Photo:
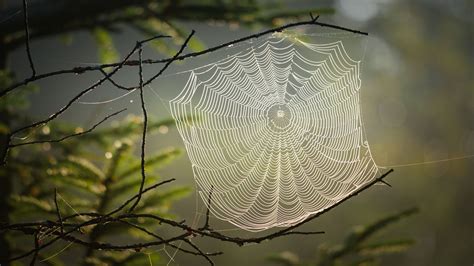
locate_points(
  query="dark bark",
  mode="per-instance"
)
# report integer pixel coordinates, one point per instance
(5, 180)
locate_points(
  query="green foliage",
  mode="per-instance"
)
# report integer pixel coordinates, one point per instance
(355, 250)
(164, 18)
(15, 101)
(92, 176)
(106, 49)
(249, 14)
(285, 258)
(97, 171)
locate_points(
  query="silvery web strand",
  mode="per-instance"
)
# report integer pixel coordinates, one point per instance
(275, 132)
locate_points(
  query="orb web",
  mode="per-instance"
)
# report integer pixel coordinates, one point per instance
(275, 131)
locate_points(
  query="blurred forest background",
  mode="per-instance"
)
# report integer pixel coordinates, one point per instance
(417, 102)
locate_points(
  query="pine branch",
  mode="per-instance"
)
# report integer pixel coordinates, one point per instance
(188, 231)
(80, 70)
(66, 228)
(68, 136)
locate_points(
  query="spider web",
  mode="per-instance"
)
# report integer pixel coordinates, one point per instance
(274, 132)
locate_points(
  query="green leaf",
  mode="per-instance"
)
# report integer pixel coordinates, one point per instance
(285, 258)
(76, 182)
(195, 44)
(393, 246)
(72, 204)
(27, 201)
(157, 161)
(370, 261)
(128, 129)
(353, 242)
(142, 258)
(125, 186)
(160, 200)
(85, 168)
(362, 233)
(112, 257)
(17, 100)
(96, 261)
(154, 27)
(106, 49)
(121, 150)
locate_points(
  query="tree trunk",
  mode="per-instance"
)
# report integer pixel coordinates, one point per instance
(5, 179)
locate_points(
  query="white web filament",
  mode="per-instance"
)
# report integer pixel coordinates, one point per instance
(276, 132)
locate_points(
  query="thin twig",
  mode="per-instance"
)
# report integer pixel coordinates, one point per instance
(153, 38)
(77, 97)
(385, 183)
(69, 136)
(68, 104)
(188, 231)
(35, 255)
(204, 255)
(115, 83)
(27, 33)
(140, 47)
(208, 211)
(174, 58)
(144, 111)
(146, 231)
(80, 70)
(304, 233)
(351, 195)
(280, 233)
(94, 219)
(119, 208)
(145, 126)
(58, 212)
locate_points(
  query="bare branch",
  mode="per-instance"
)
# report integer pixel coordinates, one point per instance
(146, 231)
(58, 212)
(77, 97)
(80, 70)
(174, 58)
(35, 254)
(188, 231)
(69, 136)
(69, 103)
(206, 223)
(144, 111)
(69, 227)
(145, 125)
(115, 83)
(136, 196)
(351, 195)
(27, 33)
(204, 255)
(304, 233)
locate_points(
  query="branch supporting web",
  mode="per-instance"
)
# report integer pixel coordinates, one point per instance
(275, 131)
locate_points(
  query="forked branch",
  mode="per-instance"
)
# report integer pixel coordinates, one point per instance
(68, 229)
